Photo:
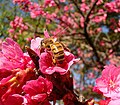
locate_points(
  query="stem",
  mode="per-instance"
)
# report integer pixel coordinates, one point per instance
(78, 8)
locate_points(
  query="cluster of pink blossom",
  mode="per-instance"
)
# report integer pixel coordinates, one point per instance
(101, 16)
(17, 25)
(37, 10)
(49, 3)
(113, 6)
(84, 7)
(109, 84)
(24, 4)
(98, 2)
(114, 25)
(118, 27)
(34, 8)
(19, 83)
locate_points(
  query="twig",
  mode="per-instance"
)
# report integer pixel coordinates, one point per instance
(37, 27)
(78, 8)
(87, 35)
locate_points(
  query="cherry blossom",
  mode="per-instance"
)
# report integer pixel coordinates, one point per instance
(47, 66)
(17, 24)
(84, 7)
(113, 6)
(114, 102)
(38, 90)
(12, 56)
(104, 102)
(36, 44)
(62, 0)
(108, 83)
(49, 3)
(14, 99)
(35, 10)
(16, 66)
(13, 83)
(24, 4)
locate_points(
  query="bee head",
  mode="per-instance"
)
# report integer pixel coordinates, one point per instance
(46, 42)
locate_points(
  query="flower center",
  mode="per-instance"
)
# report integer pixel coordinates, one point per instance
(112, 84)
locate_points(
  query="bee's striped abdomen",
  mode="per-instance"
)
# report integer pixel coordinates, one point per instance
(58, 52)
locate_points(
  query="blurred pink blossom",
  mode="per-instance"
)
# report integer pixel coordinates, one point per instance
(66, 8)
(17, 24)
(62, 0)
(113, 6)
(91, 75)
(50, 3)
(35, 10)
(82, 21)
(84, 7)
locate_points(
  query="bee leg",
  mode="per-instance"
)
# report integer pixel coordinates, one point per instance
(54, 61)
(65, 47)
(42, 50)
(36, 72)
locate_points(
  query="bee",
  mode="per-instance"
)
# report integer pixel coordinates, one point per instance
(57, 48)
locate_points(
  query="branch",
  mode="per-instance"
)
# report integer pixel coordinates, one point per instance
(78, 8)
(87, 35)
(92, 8)
(74, 34)
(36, 27)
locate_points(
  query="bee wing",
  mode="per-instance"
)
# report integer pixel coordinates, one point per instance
(65, 47)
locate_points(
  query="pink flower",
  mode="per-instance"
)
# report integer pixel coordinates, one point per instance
(46, 34)
(113, 6)
(14, 99)
(105, 102)
(11, 30)
(82, 22)
(109, 82)
(35, 10)
(17, 25)
(114, 102)
(38, 90)
(62, 0)
(16, 68)
(95, 89)
(12, 56)
(14, 82)
(24, 4)
(4, 73)
(36, 44)
(91, 75)
(66, 8)
(47, 66)
(84, 7)
(1, 102)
